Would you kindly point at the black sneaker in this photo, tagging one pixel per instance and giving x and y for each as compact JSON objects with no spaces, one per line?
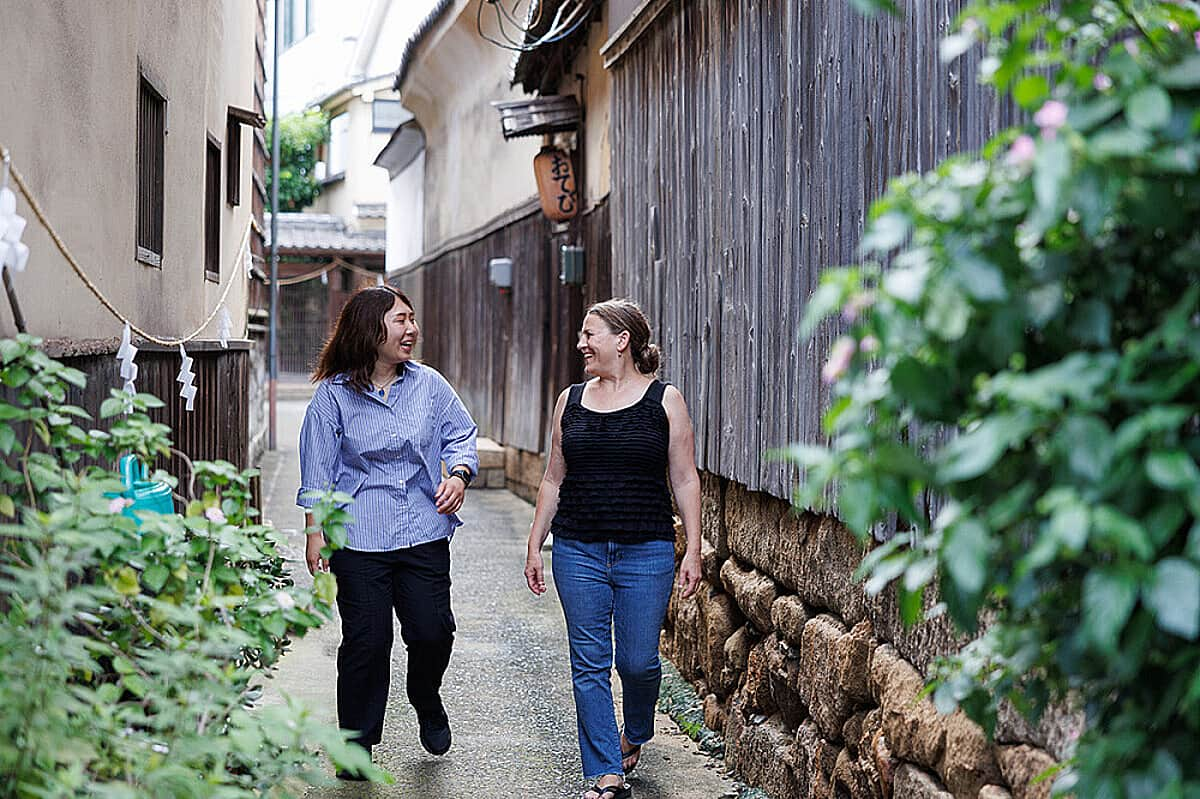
{"x":355,"y":776}
{"x":435,"y":732}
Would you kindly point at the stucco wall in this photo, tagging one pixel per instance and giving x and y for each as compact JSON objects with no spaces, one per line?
{"x":362,"y":182}
{"x":405,"y":215}
{"x":471,"y":173}
{"x":69,"y":91}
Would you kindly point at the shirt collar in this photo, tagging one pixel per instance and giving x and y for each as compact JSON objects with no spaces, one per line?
{"x":408,"y":366}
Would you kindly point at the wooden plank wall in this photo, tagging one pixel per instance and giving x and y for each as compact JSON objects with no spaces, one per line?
{"x":749,"y":138}
{"x":508,"y":355}
{"x":218,"y":426}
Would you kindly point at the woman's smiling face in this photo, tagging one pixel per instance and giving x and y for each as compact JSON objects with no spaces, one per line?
{"x":599,"y":345}
{"x":401,"y":333}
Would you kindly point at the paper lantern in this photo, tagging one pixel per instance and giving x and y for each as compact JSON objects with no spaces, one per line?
{"x":556,"y":184}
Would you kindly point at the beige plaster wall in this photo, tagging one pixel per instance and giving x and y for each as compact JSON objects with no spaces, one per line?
{"x":471,"y":173}
{"x":362,"y":182}
{"x":68,"y":90}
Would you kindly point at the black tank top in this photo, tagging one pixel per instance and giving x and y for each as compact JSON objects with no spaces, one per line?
{"x":615,"y":488}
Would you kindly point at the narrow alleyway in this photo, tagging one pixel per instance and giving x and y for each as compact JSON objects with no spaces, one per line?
{"x":508,"y":690}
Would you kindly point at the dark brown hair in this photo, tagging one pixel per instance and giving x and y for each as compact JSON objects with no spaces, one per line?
{"x":359,"y":331}
{"x":623,"y":315}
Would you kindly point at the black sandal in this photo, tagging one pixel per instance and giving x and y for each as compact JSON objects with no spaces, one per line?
{"x":623,"y":791}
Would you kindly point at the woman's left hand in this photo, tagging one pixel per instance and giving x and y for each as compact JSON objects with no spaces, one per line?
{"x":689,"y":573}
{"x":449,"y":495}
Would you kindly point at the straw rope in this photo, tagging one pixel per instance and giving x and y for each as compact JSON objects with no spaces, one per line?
{"x":66,"y":253}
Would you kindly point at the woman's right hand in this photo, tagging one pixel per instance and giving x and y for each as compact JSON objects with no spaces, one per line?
{"x":312,"y":553}
{"x":535,"y":575}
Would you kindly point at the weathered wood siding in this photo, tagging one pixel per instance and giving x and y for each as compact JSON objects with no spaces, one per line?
{"x":216,"y":429}
{"x":749,"y":138}
{"x":509,"y":355}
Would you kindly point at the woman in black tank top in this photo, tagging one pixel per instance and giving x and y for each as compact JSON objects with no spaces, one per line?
{"x":622,"y":443}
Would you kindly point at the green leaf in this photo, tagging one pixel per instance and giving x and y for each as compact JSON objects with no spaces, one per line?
{"x":112,"y":406}
{"x":1051,"y":167}
{"x":275,"y":624}
{"x":7,"y":507}
{"x":155,"y":577}
{"x":948,"y":313}
{"x":1174,"y":597}
{"x":885,"y":233}
{"x":127,"y":582}
{"x":977,"y":450}
{"x":1149,"y":108}
{"x":1108,"y":599}
{"x":857,"y":503}
{"x":1068,"y":526}
{"x":1031,"y":90}
{"x":1184,"y":75}
{"x":1126,"y":533}
{"x":1085,"y":116}
{"x":1172,"y":470}
{"x":10,"y":350}
{"x":325,"y":587}
{"x":1120,"y":142}
{"x":8,"y":439}
{"x":1088,"y":445}
{"x":965,"y":553}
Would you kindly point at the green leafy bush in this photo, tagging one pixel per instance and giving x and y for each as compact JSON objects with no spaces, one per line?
{"x":300,"y":136}
{"x":1022,"y":354}
{"x":133,"y":656}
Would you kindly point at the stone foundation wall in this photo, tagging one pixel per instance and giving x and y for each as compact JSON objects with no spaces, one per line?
{"x":523,"y":472}
{"x":814,"y":684}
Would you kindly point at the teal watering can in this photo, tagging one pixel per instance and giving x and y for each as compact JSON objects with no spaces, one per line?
{"x":146,"y":494}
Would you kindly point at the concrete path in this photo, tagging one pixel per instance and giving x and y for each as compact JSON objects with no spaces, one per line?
{"x":508,"y":690}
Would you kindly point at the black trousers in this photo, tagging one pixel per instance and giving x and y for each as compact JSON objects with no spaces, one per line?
{"x":413,"y":583}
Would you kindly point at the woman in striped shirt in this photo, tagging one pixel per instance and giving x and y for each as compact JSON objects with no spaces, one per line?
{"x":379,"y":428}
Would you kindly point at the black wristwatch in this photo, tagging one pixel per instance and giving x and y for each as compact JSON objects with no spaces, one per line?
{"x":464,"y":474}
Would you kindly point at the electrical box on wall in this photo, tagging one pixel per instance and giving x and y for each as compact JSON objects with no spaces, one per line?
{"x":571,"y":265}
{"x":500,"y":274}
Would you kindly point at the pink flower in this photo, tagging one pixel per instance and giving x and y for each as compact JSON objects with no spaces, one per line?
{"x":118,"y":504}
{"x":1132,"y":47}
{"x":857,"y":304}
{"x":840,"y":355}
{"x":214,"y":515}
{"x":1023,"y":149}
{"x":1050,"y":117}
{"x":1198,"y":40}
{"x":1102,"y":82}
{"x":869,"y":344}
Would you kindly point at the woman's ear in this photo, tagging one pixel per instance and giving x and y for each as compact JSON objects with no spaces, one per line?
{"x":623,"y":341}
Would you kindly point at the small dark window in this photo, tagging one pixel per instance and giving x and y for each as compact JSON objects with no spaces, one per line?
{"x":151,"y":151}
{"x":385,"y":115}
{"x":233,"y":160}
{"x":212,"y":211}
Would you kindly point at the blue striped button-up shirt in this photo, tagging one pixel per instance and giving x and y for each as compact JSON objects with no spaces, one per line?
{"x":387,"y":454}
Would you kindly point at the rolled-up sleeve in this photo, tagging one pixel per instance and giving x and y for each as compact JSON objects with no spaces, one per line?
{"x":320,"y":444}
{"x":458,"y":433}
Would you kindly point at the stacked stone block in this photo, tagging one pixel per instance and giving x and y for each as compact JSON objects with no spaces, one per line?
{"x":815,"y":685}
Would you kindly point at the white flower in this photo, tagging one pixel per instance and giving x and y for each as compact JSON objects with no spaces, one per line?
{"x":214,"y":515}
{"x":118,"y":504}
{"x":285,"y":600}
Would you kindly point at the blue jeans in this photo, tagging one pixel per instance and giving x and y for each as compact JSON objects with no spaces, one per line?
{"x":612,"y":590}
